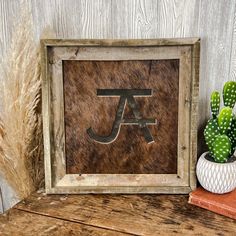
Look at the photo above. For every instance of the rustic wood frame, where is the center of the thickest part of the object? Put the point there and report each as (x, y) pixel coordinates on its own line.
(53, 51)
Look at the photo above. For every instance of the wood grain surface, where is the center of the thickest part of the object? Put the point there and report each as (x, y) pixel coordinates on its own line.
(129, 153)
(128, 214)
(213, 21)
(21, 223)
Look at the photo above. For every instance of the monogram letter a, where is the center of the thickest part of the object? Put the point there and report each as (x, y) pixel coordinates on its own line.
(126, 96)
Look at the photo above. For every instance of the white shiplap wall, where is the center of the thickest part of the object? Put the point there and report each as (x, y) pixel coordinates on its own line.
(214, 21)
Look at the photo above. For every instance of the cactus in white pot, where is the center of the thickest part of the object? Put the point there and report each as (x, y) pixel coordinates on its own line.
(216, 169)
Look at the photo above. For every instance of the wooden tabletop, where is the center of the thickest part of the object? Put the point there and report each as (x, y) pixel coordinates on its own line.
(42, 214)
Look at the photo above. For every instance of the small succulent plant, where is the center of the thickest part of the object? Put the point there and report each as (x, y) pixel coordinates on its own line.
(220, 131)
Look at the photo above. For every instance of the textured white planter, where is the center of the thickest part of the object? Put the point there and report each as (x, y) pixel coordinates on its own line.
(216, 177)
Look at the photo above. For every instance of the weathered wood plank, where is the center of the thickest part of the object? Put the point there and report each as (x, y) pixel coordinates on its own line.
(211, 20)
(122, 42)
(195, 113)
(44, 15)
(95, 19)
(135, 214)
(1, 201)
(177, 18)
(215, 29)
(232, 70)
(21, 223)
(134, 19)
(8, 14)
(9, 197)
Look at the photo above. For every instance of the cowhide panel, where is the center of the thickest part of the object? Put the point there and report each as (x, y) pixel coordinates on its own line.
(129, 153)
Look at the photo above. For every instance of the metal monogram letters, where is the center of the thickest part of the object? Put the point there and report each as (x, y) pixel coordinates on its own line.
(126, 95)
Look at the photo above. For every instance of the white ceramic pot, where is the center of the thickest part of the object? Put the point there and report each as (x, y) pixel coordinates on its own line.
(216, 177)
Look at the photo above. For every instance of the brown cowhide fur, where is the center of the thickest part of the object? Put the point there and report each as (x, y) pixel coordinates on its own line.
(129, 153)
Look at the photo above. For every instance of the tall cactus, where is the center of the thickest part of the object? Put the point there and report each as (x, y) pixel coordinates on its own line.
(211, 131)
(221, 148)
(220, 131)
(215, 103)
(225, 119)
(229, 94)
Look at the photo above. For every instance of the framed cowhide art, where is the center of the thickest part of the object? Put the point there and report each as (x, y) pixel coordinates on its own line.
(120, 116)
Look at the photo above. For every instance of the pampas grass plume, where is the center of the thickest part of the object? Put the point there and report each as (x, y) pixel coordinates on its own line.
(20, 122)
